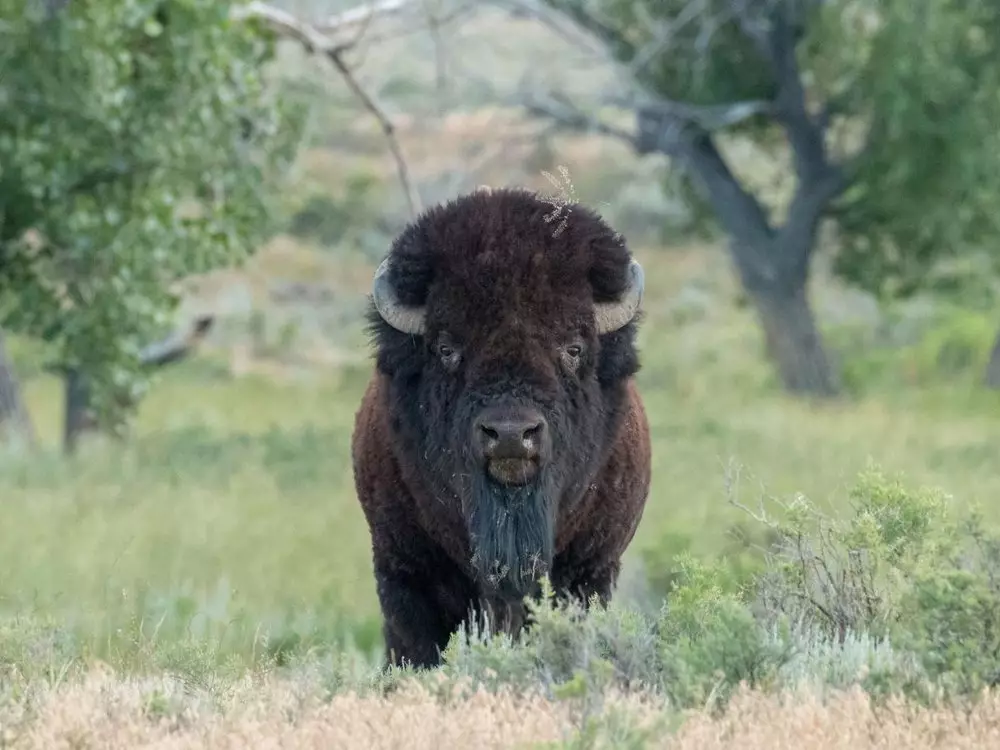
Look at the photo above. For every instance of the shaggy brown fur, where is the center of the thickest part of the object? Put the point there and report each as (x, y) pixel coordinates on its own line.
(465, 511)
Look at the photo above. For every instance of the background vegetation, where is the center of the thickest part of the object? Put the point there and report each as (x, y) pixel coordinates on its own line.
(216, 560)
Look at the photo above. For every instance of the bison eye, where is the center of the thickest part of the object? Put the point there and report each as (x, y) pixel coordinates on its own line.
(571, 356)
(450, 357)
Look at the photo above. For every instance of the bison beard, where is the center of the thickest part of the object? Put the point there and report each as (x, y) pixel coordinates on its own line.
(511, 530)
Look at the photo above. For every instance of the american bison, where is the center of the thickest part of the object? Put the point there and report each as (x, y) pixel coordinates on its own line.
(501, 436)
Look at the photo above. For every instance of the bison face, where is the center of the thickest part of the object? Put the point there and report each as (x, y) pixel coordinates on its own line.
(508, 347)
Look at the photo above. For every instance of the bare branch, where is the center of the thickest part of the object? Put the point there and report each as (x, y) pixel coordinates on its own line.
(710, 117)
(663, 36)
(553, 19)
(570, 116)
(178, 345)
(440, 74)
(313, 41)
(591, 21)
(286, 25)
(362, 14)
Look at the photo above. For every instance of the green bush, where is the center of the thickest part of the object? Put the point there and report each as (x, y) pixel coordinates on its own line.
(710, 640)
(901, 596)
(950, 613)
(950, 344)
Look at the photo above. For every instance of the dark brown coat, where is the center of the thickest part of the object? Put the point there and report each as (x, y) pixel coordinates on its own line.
(501, 436)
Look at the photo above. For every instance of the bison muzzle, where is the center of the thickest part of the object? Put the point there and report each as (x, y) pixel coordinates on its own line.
(501, 437)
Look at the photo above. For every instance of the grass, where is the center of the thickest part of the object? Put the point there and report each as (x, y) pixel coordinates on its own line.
(210, 582)
(226, 537)
(233, 511)
(225, 543)
(102, 711)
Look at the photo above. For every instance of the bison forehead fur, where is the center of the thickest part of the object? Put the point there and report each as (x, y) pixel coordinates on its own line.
(501, 436)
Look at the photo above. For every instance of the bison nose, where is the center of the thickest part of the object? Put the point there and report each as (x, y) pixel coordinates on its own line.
(510, 436)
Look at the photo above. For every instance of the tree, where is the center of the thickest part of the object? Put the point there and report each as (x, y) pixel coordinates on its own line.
(887, 109)
(139, 143)
(15, 422)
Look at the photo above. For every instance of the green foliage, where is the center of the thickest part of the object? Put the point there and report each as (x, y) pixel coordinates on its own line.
(139, 143)
(228, 537)
(711, 642)
(926, 86)
(902, 570)
(900, 596)
(950, 347)
(910, 90)
(846, 575)
(950, 615)
(711, 61)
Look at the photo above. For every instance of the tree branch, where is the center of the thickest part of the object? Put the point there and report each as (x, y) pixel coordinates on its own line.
(315, 42)
(710, 117)
(692, 146)
(818, 181)
(738, 211)
(571, 117)
(362, 14)
(552, 19)
(178, 345)
(805, 136)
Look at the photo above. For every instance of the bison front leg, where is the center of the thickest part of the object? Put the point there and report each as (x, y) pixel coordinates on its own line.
(414, 630)
(583, 582)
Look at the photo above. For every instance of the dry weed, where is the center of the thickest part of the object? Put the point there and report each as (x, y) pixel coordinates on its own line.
(113, 713)
(845, 721)
(108, 712)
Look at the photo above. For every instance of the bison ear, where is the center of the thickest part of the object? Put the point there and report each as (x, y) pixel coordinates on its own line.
(406, 318)
(610, 316)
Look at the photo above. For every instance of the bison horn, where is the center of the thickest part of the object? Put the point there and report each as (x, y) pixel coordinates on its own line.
(402, 317)
(610, 316)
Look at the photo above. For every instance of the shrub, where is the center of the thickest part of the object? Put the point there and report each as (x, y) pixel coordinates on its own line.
(844, 575)
(711, 641)
(902, 574)
(950, 613)
(900, 596)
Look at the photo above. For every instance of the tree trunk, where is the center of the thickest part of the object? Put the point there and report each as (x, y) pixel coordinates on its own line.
(15, 422)
(793, 341)
(78, 418)
(992, 376)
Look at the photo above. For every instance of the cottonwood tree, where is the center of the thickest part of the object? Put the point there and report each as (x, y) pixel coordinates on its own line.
(887, 110)
(140, 142)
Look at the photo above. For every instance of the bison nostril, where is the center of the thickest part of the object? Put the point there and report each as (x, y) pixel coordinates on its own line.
(533, 433)
(507, 436)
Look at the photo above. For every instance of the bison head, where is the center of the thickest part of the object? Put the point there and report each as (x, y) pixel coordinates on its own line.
(508, 341)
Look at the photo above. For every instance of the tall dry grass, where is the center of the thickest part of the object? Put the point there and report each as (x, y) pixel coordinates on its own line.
(111, 712)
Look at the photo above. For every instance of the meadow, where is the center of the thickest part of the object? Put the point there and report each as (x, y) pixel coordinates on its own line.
(222, 551)
(208, 582)
(232, 511)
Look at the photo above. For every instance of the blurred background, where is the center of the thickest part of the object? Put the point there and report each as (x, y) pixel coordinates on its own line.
(194, 196)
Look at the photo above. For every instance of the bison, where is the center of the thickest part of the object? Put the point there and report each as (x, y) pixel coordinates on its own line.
(501, 436)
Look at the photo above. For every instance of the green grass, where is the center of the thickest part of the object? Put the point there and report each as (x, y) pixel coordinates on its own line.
(231, 520)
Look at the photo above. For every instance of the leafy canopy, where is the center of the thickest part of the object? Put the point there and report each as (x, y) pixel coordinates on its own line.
(139, 143)
(910, 86)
